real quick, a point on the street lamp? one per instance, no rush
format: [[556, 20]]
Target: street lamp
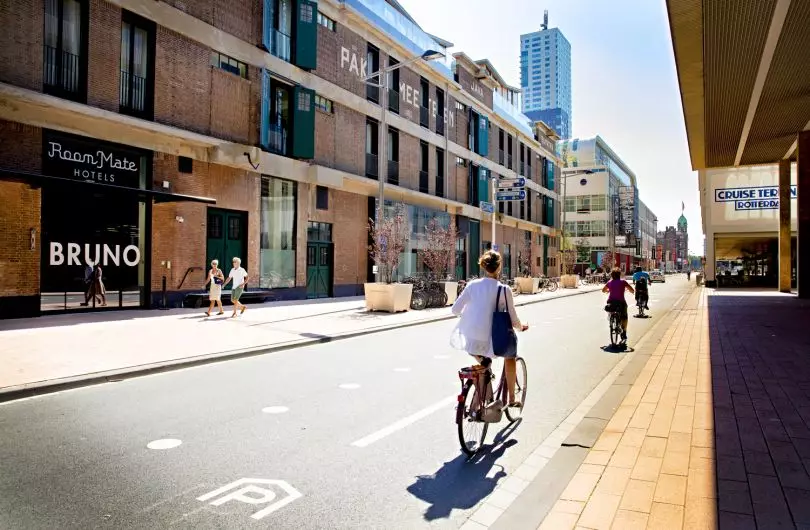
[[381, 82]]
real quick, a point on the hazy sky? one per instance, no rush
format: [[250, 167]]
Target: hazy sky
[[624, 83]]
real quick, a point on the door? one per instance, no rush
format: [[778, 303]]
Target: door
[[227, 238], [319, 269], [475, 245]]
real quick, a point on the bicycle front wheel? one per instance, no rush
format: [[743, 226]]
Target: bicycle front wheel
[[521, 380], [471, 431], [552, 286]]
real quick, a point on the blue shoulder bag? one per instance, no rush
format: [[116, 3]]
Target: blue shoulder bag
[[504, 339]]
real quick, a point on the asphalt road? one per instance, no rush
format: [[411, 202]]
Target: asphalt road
[[381, 452]]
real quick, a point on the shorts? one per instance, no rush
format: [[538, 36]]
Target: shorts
[[618, 305], [236, 294]]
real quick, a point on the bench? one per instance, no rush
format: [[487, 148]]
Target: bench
[[256, 296]]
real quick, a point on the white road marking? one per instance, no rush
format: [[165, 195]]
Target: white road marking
[[402, 369], [349, 386], [404, 422], [259, 495], [277, 409], [678, 301], [165, 443]]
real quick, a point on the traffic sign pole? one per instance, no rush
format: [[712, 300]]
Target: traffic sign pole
[[494, 186]]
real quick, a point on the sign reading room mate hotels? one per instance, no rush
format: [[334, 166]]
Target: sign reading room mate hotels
[[752, 197]]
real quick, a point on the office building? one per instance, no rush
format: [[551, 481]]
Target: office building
[[545, 78]]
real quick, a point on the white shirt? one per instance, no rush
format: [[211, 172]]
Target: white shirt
[[473, 333], [238, 276]]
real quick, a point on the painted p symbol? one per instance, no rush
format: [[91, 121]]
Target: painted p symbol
[[251, 493]]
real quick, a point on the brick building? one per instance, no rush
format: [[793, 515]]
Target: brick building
[[150, 137]]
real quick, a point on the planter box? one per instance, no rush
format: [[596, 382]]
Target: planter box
[[569, 281], [451, 288], [390, 297], [528, 285]]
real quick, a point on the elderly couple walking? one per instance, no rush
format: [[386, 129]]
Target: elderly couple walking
[[218, 282]]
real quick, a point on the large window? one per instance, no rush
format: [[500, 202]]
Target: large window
[[418, 218], [586, 203], [65, 49], [278, 231], [137, 71]]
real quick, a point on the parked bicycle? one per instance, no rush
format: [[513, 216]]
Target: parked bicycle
[[426, 293], [547, 284], [478, 405]]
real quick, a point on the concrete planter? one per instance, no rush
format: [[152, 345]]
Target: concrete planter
[[389, 297], [569, 281], [528, 285], [451, 288]]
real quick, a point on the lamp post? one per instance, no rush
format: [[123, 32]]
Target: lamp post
[[381, 77]]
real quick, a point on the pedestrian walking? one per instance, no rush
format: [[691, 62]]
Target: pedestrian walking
[[240, 279], [216, 279], [98, 289]]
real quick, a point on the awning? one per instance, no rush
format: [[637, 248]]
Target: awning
[[37, 179]]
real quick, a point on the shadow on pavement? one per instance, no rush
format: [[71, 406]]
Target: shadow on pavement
[[617, 348], [760, 404], [462, 483]]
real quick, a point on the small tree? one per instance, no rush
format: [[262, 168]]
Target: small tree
[[583, 250], [388, 240], [439, 254], [608, 261], [525, 259], [568, 254]]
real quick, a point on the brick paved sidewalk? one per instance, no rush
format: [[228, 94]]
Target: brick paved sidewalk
[[714, 432], [64, 348]]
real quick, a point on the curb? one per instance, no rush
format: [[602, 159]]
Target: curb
[[14, 393]]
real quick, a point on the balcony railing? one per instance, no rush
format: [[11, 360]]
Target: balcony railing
[[282, 47], [393, 100], [277, 139], [372, 169], [373, 92], [393, 172], [61, 70], [439, 186], [440, 123], [132, 92], [509, 161], [424, 117], [424, 187], [501, 157]]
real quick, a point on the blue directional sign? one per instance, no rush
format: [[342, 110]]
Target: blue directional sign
[[518, 195], [512, 183], [487, 207]]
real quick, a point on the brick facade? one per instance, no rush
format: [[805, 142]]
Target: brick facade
[[21, 43], [104, 56]]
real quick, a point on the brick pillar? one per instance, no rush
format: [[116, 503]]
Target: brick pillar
[[784, 226], [803, 206]]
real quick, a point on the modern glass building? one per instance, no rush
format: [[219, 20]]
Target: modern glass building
[[545, 78]]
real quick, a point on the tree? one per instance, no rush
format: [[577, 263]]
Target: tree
[[568, 254], [583, 251], [439, 254], [388, 240], [525, 258], [608, 261]]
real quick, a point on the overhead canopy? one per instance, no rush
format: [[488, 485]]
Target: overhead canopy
[[744, 74]]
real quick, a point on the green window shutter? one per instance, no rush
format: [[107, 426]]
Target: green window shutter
[[483, 136], [306, 34], [483, 185], [303, 145]]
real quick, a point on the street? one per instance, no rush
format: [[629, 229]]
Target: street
[[361, 431]]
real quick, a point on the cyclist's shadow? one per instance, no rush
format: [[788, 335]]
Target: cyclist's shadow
[[462, 482]]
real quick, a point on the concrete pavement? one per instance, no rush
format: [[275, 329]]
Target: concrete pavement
[[65, 350], [157, 451]]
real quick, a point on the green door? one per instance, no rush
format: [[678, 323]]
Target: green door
[[319, 269], [227, 233], [475, 246]]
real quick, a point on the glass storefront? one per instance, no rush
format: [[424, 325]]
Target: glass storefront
[[418, 219], [278, 232], [93, 238]]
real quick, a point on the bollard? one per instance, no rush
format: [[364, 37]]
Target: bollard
[[164, 304]]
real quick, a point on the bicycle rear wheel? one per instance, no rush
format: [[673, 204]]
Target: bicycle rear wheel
[[615, 329], [552, 286], [471, 431], [521, 380]]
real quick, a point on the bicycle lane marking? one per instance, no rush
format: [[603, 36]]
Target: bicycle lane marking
[[404, 422]]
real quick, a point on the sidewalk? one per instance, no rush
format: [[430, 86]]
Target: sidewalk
[[715, 431], [65, 349]]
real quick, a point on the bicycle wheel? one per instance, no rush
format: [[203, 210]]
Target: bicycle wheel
[[521, 380], [471, 432], [552, 286], [615, 329], [418, 300]]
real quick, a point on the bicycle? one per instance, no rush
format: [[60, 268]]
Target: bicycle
[[641, 303], [548, 284], [478, 406], [615, 324]]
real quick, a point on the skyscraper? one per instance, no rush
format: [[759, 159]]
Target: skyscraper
[[545, 77]]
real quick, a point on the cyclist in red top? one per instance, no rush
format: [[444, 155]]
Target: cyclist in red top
[[616, 287]]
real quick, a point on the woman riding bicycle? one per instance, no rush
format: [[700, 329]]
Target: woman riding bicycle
[[475, 306], [616, 287]]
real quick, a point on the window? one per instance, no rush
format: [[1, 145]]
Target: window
[[306, 14], [321, 197], [423, 167], [185, 164], [372, 130], [277, 233], [323, 104], [393, 86], [372, 66], [229, 64], [136, 85], [64, 61], [393, 156], [461, 162], [439, 172], [460, 106], [319, 231], [326, 22]]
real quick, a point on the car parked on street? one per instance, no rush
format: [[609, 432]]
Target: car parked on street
[[657, 276]]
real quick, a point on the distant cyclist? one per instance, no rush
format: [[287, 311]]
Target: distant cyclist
[[616, 287], [641, 280]]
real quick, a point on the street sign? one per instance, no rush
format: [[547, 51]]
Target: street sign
[[487, 207], [511, 183], [250, 493], [511, 195]]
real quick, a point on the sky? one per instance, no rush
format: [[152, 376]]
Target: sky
[[624, 82]]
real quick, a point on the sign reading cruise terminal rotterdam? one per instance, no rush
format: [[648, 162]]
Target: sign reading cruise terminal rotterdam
[[752, 197]]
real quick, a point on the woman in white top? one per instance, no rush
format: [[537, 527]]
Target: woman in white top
[[475, 306], [216, 279]]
